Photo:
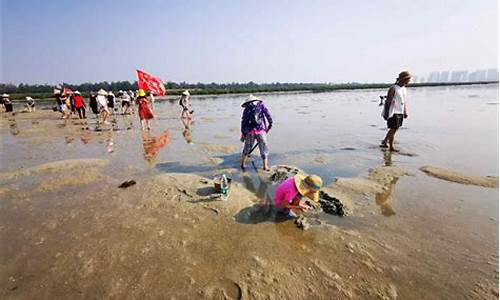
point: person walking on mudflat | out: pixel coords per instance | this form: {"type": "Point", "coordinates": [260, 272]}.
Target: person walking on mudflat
{"type": "Point", "coordinates": [145, 113]}
{"type": "Point", "coordinates": [185, 103]}
{"type": "Point", "coordinates": [395, 109]}
{"type": "Point", "coordinates": [254, 126]}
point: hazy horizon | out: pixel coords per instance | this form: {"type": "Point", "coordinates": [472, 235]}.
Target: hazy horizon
{"type": "Point", "coordinates": [259, 41]}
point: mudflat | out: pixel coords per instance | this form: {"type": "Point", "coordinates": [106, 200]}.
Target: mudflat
{"type": "Point", "coordinates": [68, 231]}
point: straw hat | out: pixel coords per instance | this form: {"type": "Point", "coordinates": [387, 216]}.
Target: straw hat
{"type": "Point", "coordinates": [141, 93]}
{"type": "Point", "coordinates": [102, 92]}
{"type": "Point", "coordinates": [251, 98]}
{"type": "Point", "coordinates": [404, 75]}
{"type": "Point", "coordinates": [29, 98]}
{"type": "Point", "coordinates": [309, 186]}
{"type": "Point", "coordinates": [5, 95]}
{"type": "Point", "coordinates": [77, 92]}
{"type": "Point", "coordinates": [186, 93]}
{"type": "Point", "coordinates": [57, 91]}
{"type": "Point", "coordinates": [110, 93]}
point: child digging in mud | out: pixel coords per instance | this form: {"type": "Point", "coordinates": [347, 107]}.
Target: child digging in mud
{"type": "Point", "coordinates": [395, 109]}
{"type": "Point", "coordinates": [289, 197]}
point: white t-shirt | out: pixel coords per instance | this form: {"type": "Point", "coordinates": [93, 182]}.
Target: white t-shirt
{"type": "Point", "coordinates": [102, 101]}
{"type": "Point", "coordinates": [398, 101]}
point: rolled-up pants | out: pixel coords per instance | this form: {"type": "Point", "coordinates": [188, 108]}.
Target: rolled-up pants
{"type": "Point", "coordinates": [261, 139]}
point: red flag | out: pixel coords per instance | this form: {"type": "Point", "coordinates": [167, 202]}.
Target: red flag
{"type": "Point", "coordinates": [67, 91]}
{"type": "Point", "coordinates": [150, 83]}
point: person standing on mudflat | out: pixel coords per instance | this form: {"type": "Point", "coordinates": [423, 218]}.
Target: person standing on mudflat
{"type": "Point", "coordinates": [79, 104]}
{"type": "Point", "coordinates": [185, 103]}
{"type": "Point", "coordinates": [395, 109]}
{"type": "Point", "coordinates": [254, 127]}
{"type": "Point", "coordinates": [111, 102]}
{"type": "Point", "coordinates": [7, 103]}
{"type": "Point", "coordinates": [102, 103]}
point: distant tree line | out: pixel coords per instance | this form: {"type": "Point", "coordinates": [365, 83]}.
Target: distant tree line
{"type": "Point", "coordinates": [174, 88]}
{"type": "Point", "coordinates": [44, 91]}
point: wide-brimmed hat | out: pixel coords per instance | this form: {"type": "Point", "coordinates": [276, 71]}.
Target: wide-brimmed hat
{"type": "Point", "coordinates": [186, 93]}
{"type": "Point", "coordinates": [404, 75]}
{"type": "Point", "coordinates": [141, 93]}
{"type": "Point", "coordinates": [110, 93]}
{"type": "Point", "coordinates": [102, 92]}
{"type": "Point", "coordinates": [309, 186]}
{"type": "Point", "coordinates": [29, 98]}
{"type": "Point", "coordinates": [77, 92]}
{"type": "Point", "coordinates": [4, 95]}
{"type": "Point", "coordinates": [251, 98]}
{"type": "Point", "coordinates": [57, 91]}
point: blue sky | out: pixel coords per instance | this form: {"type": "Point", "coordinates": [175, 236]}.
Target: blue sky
{"type": "Point", "coordinates": [225, 41]}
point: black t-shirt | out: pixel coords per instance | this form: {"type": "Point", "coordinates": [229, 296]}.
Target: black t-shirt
{"type": "Point", "coordinates": [58, 99]}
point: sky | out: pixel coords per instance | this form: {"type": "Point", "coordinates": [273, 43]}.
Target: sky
{"type": "Point", "coordinates": [239, 41]}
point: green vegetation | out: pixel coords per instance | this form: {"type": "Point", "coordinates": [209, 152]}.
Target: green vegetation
{"type": "Point", "coordinates": [45, 91]}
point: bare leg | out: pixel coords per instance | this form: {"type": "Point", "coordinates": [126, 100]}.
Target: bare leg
{"type": "Point", "coordinates": [266, 164]}
{"type": "Point", "coordinates": [391, 140]}
{"type": "Point", "coordinates": [386, 139]}
{"type": "Point", "coordinates": [244, 159]}
{"type": "Point", "coordinates": [104, 117]}
{"type": "Point", "coordinates": [143, 124]}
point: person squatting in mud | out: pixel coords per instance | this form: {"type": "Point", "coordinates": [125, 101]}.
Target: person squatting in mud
{"type": "Point", "coordinates": [29, 106]}
{"type": "Point", "coordinates": [289, 197]}
{"type": "Point", "coordinates": [256, 121]}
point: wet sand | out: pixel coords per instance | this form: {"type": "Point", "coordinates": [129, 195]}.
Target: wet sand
{"type": "Point", "coordinates": [68, 231]}
{"type": "Point", "coordinates": [454, 176]}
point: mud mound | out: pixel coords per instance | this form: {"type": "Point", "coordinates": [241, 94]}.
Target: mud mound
{"type": "Point", "coordinates": [199, 190]}
{"type": "Point", "coordinates": [219, 148]}
{"type": "Point", "coordinates": [385, 175]}
{"type": "Point", "coordinates": [76, 178]}
{"type": "Point", "coordinates": [53, 167]}
{"type": "Point", "coordinates": [281, 172]}
{"type": "Point", "coordinates": [454, 176]}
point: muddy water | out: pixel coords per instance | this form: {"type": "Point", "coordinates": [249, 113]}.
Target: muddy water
{"type": "Point", "coordinates": [437, 238]}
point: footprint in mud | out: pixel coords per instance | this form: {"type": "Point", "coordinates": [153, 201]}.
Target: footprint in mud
{"type": "Point", "coordinates": [223, 289]}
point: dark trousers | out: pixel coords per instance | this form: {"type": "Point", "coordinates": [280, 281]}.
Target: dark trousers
{"type": "Point", "coordinates": [81, 112]}
{"type": "Point", "coordinates": [8, 107]}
